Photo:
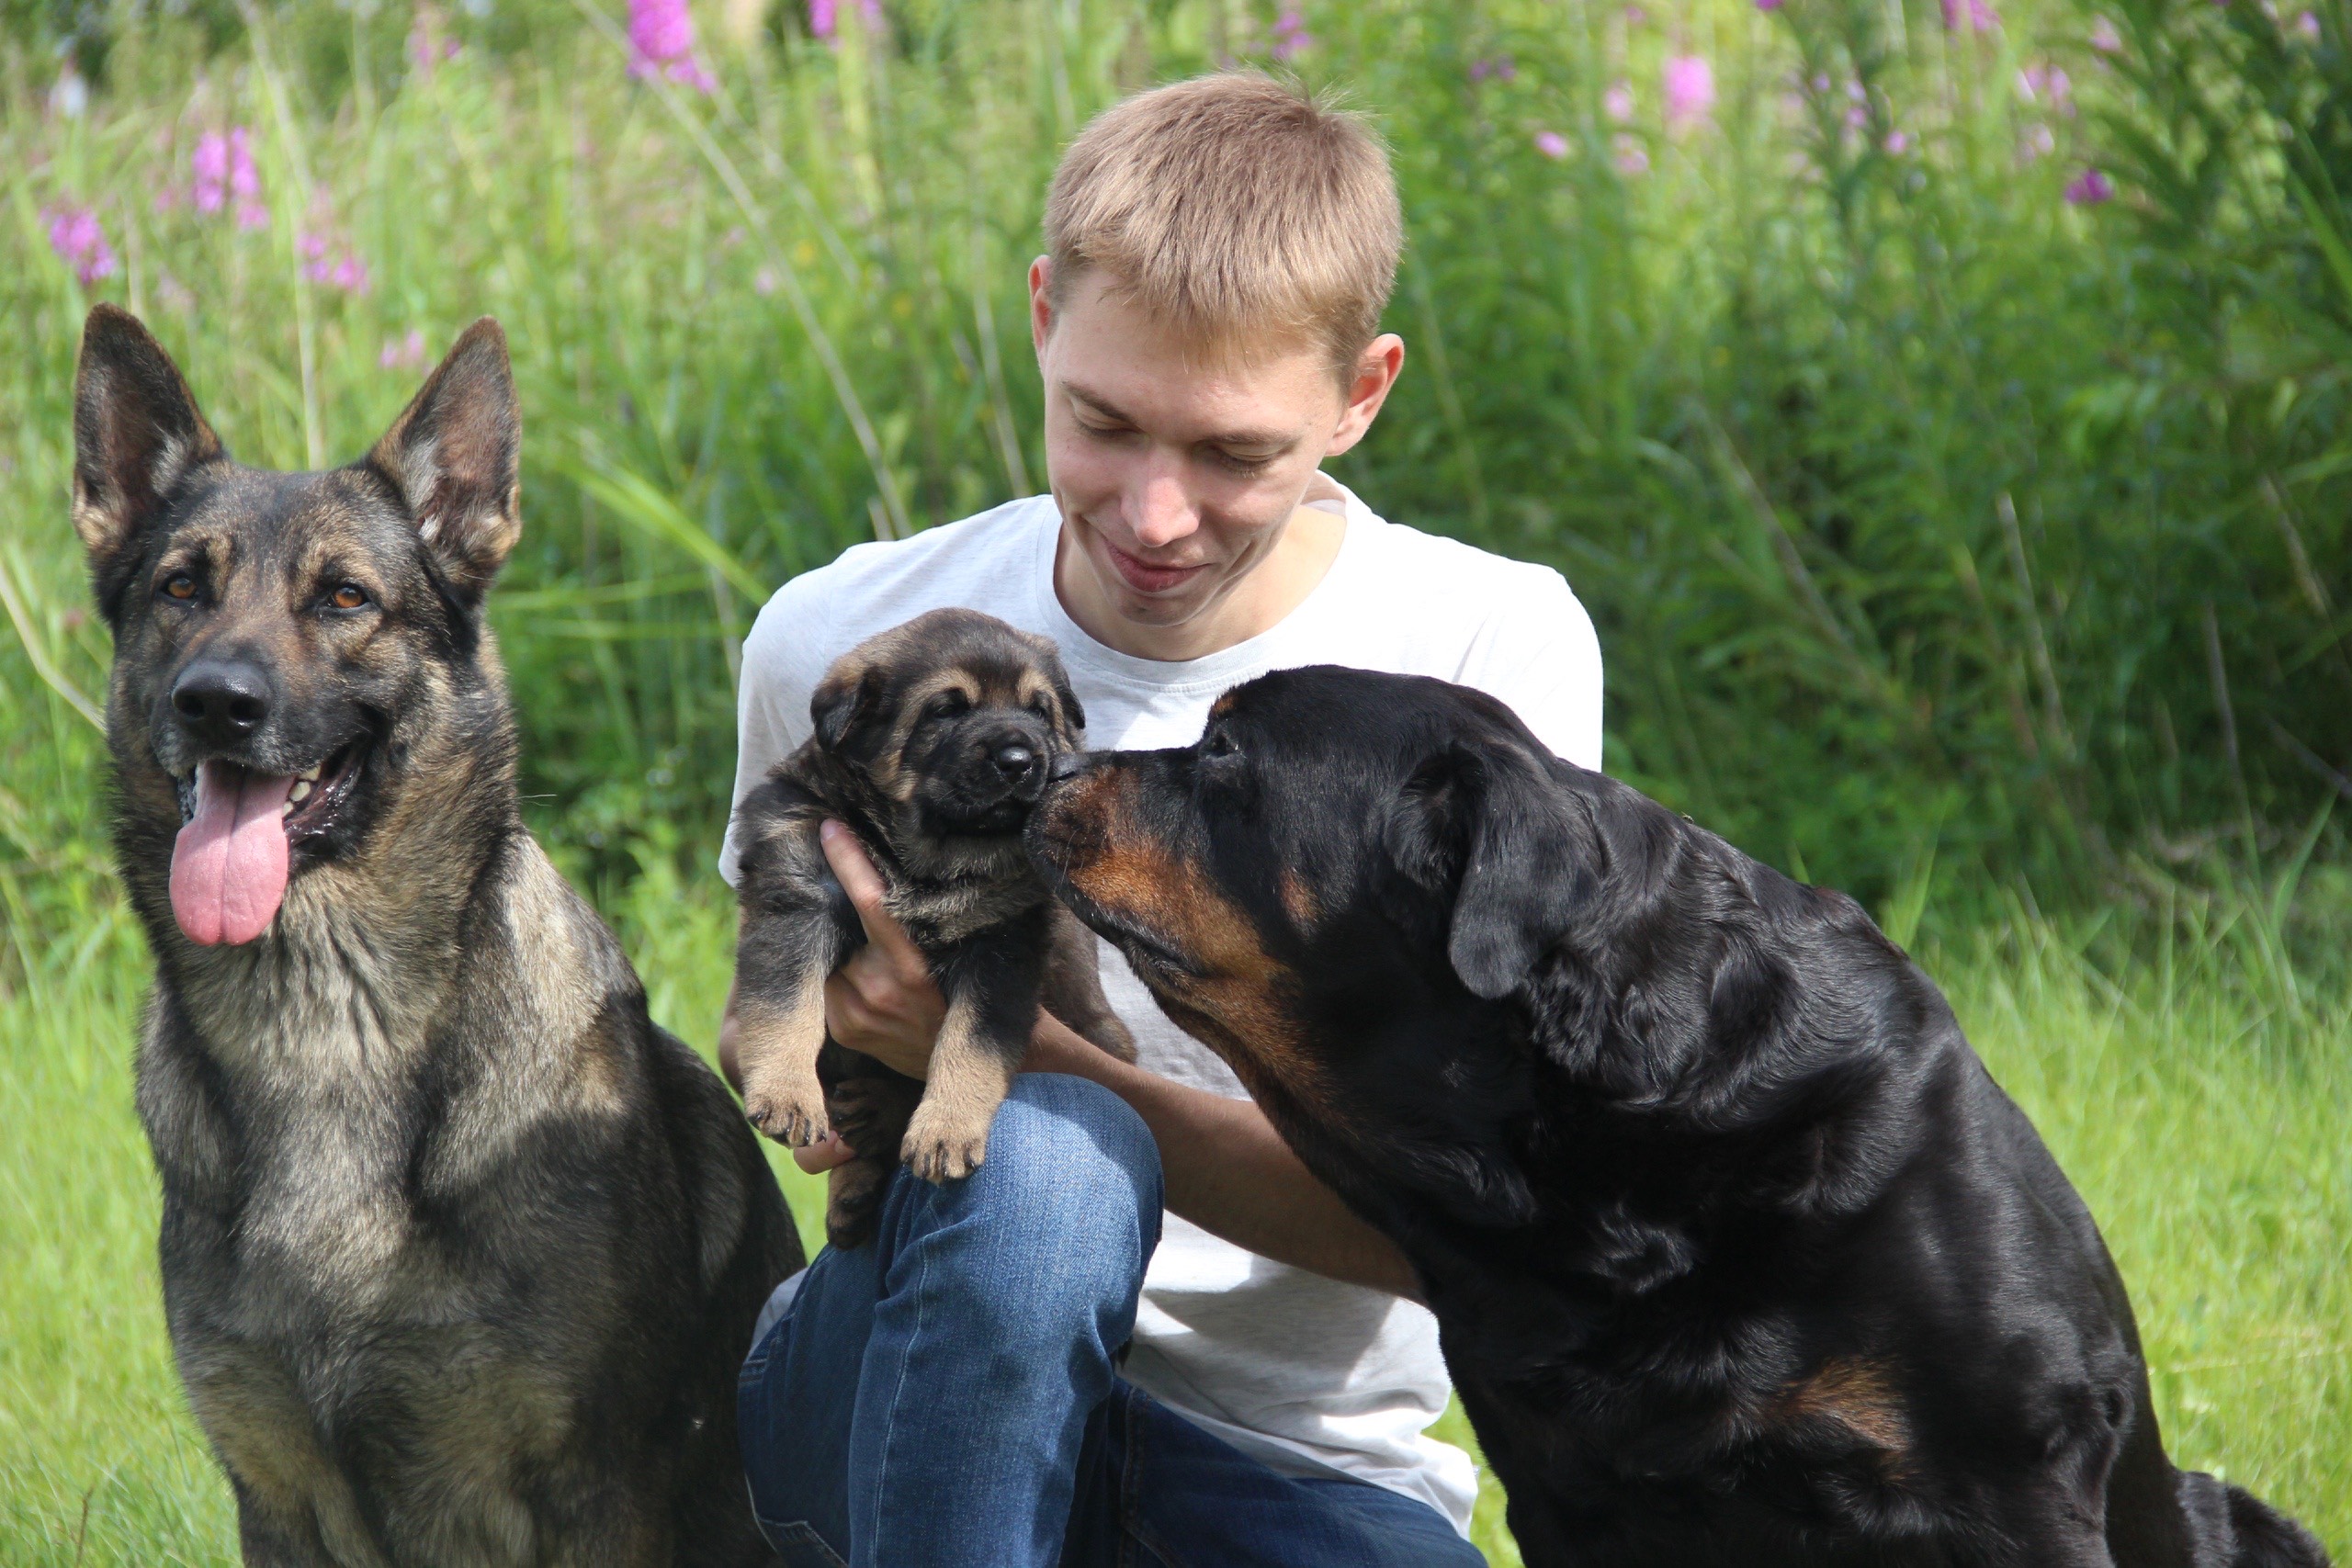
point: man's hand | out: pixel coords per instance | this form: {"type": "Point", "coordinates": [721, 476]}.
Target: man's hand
{"type": "Point", "coordinates": [882, 1001]}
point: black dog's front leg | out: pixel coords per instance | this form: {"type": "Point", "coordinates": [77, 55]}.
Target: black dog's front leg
{"type": "Point", "coordinates": [990, 983]}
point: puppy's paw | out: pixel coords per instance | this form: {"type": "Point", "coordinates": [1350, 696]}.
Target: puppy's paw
{"type": "Point", "coordinates": [853, 1201]}
{"type": "Point", "coordinates": [792, 1113]}
{"type": "Point", "coordinates": [943, 1145]}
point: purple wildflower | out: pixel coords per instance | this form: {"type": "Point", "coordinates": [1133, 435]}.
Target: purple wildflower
{"type": "Point", "coordinates": [824, 17]}
{"type": "Point", "coordinates": [428, 47]}
{"type": "Point", "coordinates": [1552, 144]}
{"type": "Point", "coordinates": [1897, 142]}
{"type": "Point", "coordinates": [222, 167]}
{"type": "Point", "coordinates": [80, 244]}
{"type": "Point", "coordinates": [1768, 4]}
{"type": "Point", "coordinates": [1689, 90]}
{"type": "Point", "coordinates": [1977, 16]}
{"type": "Point", "coordinates": [2089, 189]}
{"type": "Point", "coordinates": [662, 40]}
{"type": "Point", "coordinates": [404, 352]}
{"type": "Point", "coordinates": [1617, 102]}
{"type": "Point", "coordinates": [2307, 24]}
{"type": "Point", "coordinates": [1631, 157]}
{"type": "Point", "coordinates": [2047, 85]}
{"type": "Point", "coordinates": [325, 261]}
{"type": "Point", "coordinates": [2039, 141]}
{"type": "Point", "coordinates": [1291, 35]}
{"type": "Point", "coordinates": [2104, 38]}
{"type": "Point", "coordinates": [1500, 69]}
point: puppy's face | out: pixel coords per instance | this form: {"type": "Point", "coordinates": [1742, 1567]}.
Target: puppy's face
{"type": "Point", "coordinates": [954, 720]}
{"type": "Point", "coordinates": [1340, 852]}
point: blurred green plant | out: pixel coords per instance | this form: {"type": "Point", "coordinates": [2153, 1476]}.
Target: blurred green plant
{"type": "Point", "coordinates": [1940, 410]}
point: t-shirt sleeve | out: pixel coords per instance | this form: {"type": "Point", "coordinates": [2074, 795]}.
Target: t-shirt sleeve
{"type": "Point", "coordinates": [784, 658]}
{"type": "Point", "coordinates": [1542, 656]}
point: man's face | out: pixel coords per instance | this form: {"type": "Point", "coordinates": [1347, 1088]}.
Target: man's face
{"type": "Point", "coordinates": [1176, 474]}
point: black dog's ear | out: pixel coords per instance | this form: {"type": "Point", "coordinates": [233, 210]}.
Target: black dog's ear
{"type": "Point", "coordinates": [841, 699]}
{"type": "Point", "coordinates": [1073, 710]}
{"type": "Point", "coordinates": [137, 433]}
{"type": "Point", "coordinates": [454, 455]}
{"type": "Point", "coordinates": [1519, 851]}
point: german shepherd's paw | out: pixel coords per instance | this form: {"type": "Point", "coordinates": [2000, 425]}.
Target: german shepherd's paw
{"type": "Point", "coordinates": [853, 1201]}
{"type": "Point", "coordinates": [790, 1110]}
{"type": "Point", "coordinates": [946, 1143]}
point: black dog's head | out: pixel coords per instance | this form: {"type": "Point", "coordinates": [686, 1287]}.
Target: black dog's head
{"type": "Point", "coordinates": [291, 651]}
{"type": "Point", "coordinates": [953, 722]}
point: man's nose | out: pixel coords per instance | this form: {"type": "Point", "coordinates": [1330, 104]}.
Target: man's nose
{"type": "Point", "coordinates": [222, 702]}
{"type": "Point", "coordinates": [1164, 510]}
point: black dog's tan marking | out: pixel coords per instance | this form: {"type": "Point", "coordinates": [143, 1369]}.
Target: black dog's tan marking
{"type": "Point", "coordinates": [460, 1253]}
{"type": "Point", "coordinates": [1739, 1257]}
{"type": "Point", "coordinates": [933, 741]}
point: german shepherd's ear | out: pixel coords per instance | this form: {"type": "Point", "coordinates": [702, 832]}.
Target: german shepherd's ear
{"type": "Point", "coordinates": [1521, 855]}
{"type": "Point", "coordinates": [841, 700]}
{"type": "Point", "coordinates": [136, 435]}
{"type": "Point", "coordinates": [453, 456]}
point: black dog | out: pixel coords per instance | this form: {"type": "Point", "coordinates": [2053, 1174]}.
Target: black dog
{"type": "Point", "coordinates": [1739, 1256]}
{"type": "Point", "coordinates": [933, 741]}
{"type": "Point", "coordinates": [460, 1253]}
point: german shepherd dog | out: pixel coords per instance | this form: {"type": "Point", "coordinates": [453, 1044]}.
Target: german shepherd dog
{"type": "Point", "coordinates": [1740, 1258]}
{"type": "Point", "coordinates": [460, 1253]}
{"type": "Point", "coordinates": [931, 741]}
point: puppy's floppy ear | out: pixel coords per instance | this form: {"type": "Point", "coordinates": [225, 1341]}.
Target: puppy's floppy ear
{"type": "Point", "coordinates": [453, 456]}
{"type": "Point", "coordinates": [844, 699]}
{"type": "Point", "coordinates": [1072, 709]}
{"type": "Point", "coordinates": [1522, 857]}
{"type": "Point", "coordinates": [137, 433]}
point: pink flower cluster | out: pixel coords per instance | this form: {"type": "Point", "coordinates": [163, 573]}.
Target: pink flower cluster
{"type": "Point", "coordinates": [1291, 35]}
{"type": "Point", "coordinates": [1552, 144]}
{"type": "Point", "coordinates": [661, 41]}
{"type": "Point", "coordinates": [406, 353]}
{"type": "Point", "coordinates": [1975, 15]}
{"type": "Point", "coordinates": [1689, 90]}
{"type": "Point", "coordinates": [1500, 68]}
{"type": "Point", "coordinates": [2089, 189]}
{"type": "Point", "coordinates": [332, 262]}
{"type": "Point", "coordinates": [428, 46]}
{"type": "Point", "coordinates": [80, 244]}
{"type": "Point", "coordinates": [824, 17]}
{"type": "Point", "coordinates": [221, 170]}
{"type": "Point", "coordinates": [2049, 86]}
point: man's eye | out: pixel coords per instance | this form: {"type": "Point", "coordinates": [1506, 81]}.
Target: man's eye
{"type": "Point", "coordinates": [347, 596]}
{"type": "Point", "coordinates": [1243, 466]}
{"type": "Point", "coordinates": [180, 585]}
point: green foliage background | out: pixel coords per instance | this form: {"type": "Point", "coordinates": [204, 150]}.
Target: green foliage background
{"type": "Point", "coordinates": [1976, 550]}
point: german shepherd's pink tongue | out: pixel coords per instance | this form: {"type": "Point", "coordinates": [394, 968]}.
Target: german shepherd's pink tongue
{"type": "Point", "coordinates": [229, 865]}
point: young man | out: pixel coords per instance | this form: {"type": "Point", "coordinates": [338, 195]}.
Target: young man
{"type": "Point", "coordinates": [1142, 1331]}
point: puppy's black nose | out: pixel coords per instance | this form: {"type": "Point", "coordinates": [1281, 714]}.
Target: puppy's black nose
{"type": "Point", "coordinates": [222, 701]}
{"type": "Point", "coordinates": [1015, 759]}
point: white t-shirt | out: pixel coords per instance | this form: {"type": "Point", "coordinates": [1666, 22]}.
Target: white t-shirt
{"type": "Point", "coordinates": [1304, 1373]}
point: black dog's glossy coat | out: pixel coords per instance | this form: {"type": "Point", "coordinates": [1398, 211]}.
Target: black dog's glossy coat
{"type": "Point", "coordinates": [1739, 1256]}
{"type": "Point", "coordinates": [461, 1252]}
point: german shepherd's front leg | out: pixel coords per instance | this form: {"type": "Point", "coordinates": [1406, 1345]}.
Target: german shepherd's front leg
{"type": "Point", "coordinates": [990, 982]}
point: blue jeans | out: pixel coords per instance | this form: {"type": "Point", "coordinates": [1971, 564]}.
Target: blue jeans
{"type": "Point", "coordinates": [948, 1395]}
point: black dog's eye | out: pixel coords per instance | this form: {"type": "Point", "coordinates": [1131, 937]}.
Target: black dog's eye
{"type": "Point", "coordinates": [1220, 744]}
{"type": "Point", "coordinates": [179, 585]}
{"type": "Point", "coordinates": [947, 704]}
{"type": "Point", "coordinates": [347, 596]}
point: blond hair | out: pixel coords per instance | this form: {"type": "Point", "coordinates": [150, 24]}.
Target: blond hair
{"type": "Point", "coordinates": [1233, 208]}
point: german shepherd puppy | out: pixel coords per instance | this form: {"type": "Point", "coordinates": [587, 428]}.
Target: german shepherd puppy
{"type": "Point", "coordinates": [460, 1253]}
{"type": "Point", "coordinates": [933, 741]}
{"type": "Point", "coordinates": [1740, 1258]}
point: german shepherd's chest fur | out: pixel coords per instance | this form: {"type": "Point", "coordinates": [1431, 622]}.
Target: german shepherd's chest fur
{"type": "Point", "coordinates": [460, 1253]}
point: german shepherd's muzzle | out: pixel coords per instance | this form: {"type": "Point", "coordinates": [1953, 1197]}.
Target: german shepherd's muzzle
{"type": "Point", "coordinates": [460, 1253]}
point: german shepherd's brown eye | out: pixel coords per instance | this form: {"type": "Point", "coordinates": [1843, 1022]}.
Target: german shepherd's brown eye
{"type": "Point", "coordinates": [180, 585]}
{"type": "Point", "coordinates": [947, 704]}
{"type": "Point", "coordinates": [347, 596]}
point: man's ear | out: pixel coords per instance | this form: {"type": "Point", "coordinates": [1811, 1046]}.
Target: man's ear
{"type": "Point", "coordinates": [454, 455]}
{"type": "Point", "coordinates": [842, 699]}
{"type": "Point", "coordinates": [1520, 852]}
{"type": "Point", "coordinates": [136, 435]}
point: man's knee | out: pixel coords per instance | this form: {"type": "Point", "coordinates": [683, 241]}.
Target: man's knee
{"type": "Point", "coordinates": [1071, 1179]}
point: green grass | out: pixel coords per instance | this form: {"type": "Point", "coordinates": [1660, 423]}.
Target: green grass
{"type": "Point", "coordinates": [2200, 1108]}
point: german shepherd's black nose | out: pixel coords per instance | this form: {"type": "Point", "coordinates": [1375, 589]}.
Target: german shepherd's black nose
{"type": "Point", "coordinates": [220, 701]}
